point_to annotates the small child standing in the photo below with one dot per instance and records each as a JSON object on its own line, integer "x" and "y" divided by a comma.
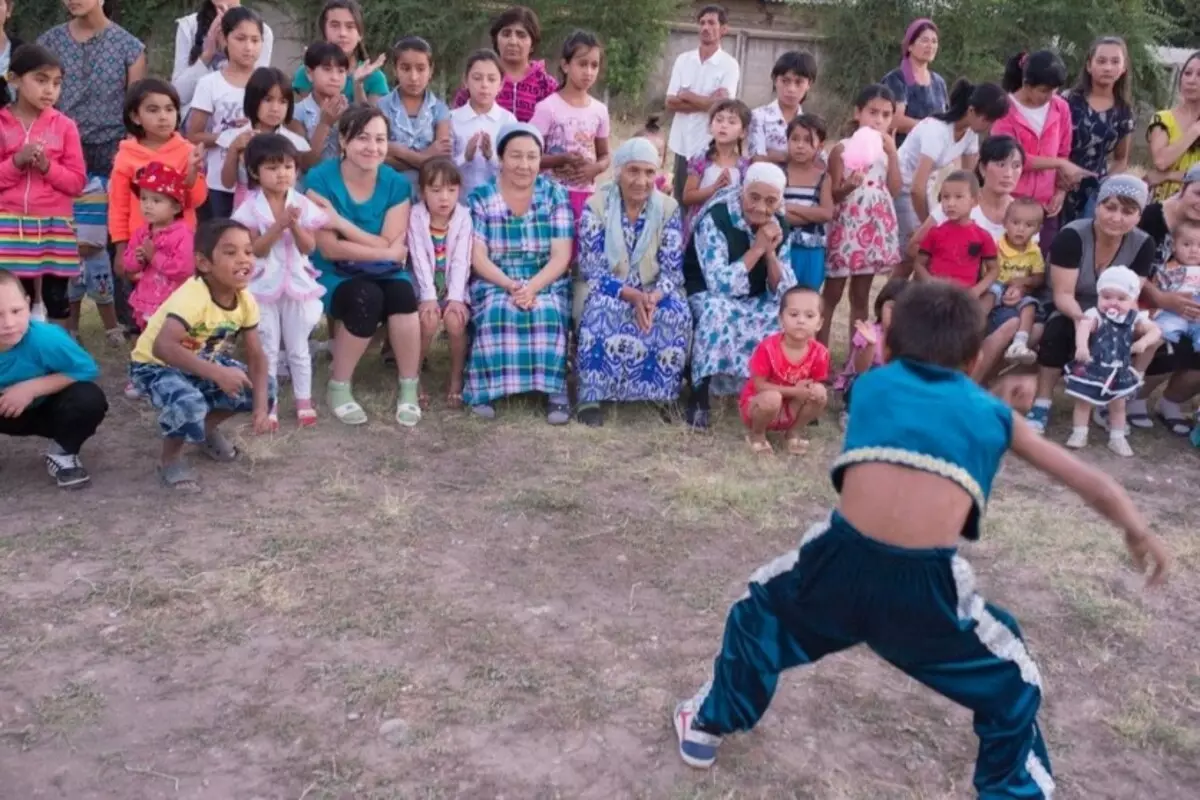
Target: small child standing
{"x": 575, "y": 125}
{"x": 46, "y": 385}
{"x": 281, "y": 223}
{"x": 41, "y": 173}
{"x": 95, "y": 279}
{"x": 476, "y": 123}
{"x": 723, "y": 164}
{"x": 439, "y": 246}
{"x": 808, "y": 199}
{"x": 269, "y": 105}
{"x": 1106, "y": 339}
{"x": 785, "y": 390}
{"x": 864, "y": 237}
{"x": 959, "y": 250}
{"x": 419, "y": 122}
{"x": 182, "y": 360}
{"x": 792, "y": 76}
{"x": 160, "y": 255}
{"x": 1181, "y": 275}
{"x": 325, "y": 66}
{"x": 866, "y": 346}
{"x": 1022, "y": 272}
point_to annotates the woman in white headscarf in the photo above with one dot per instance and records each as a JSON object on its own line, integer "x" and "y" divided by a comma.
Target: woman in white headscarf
{"x": 635, "y": 324}
{"x": 735, "y": 269}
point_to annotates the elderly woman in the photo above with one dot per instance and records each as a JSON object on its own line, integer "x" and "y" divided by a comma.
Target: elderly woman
{"x": 520, "y": 298}
{"x": 735, "y": 270}
{"x": 635, "y": 326}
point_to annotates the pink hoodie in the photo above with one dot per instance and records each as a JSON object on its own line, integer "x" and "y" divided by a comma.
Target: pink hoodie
{"x": 1054, "y": 142}
{"x": 27, "y": 191}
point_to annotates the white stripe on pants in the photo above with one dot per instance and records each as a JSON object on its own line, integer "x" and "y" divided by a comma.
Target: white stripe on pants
{"x": 293, "y": 322}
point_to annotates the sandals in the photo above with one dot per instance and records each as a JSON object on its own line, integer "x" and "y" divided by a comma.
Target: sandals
{"x": 760, "y": 447}
{"x": 1176, "y": 425}
{"x": 306, "y": 417}
{"x": 454, "y": 400}
{"x": 408, "y": 414}
{"x": 218, "y": 448}
{"x": 797, "y": 446}
{"x": 178, "y": 477}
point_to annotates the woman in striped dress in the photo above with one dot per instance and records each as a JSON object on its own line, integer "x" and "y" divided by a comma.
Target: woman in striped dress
{"x": 520, "y": 298}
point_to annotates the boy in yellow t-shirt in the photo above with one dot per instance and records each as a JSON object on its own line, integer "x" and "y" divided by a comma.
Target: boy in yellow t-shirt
{"x": 183, "y": 361}
{"x": 1022, "y": 272}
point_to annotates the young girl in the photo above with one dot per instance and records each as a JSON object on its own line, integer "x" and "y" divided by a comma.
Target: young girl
{"x": 42, "y": 171}
{"x": 268, "y": 104}
{"x": 792, "y": 76}
{"x": 516, "y": 34}
{"x": 219, "y": 104}
{"x": 199, "y": 49}
{"x": 863, "y": 238}
{"x": 785, "y": 389}
{"x": 420, "y": 121}
{"x": 1102, "y": 119}
{"x": 808, "y": 199}
{"x": 316, "y": 115}
{"x": 1101, "y": 374}
{"x": 723, "y": 164}
{"x": 439, "y": 245}
{"x": 867, "y": 344}
{"x": 1041, "y": 121}
{"x": 158, "y": 258}
{"x": 475, "y": 125}
{"x": 281, "y": 223}
{"x": 574, "y": 124}
{"x": 152, "y": 120}
{"x": 341, "y": 22}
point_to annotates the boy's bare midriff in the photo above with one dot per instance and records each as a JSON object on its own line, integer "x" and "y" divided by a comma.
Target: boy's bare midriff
{"x": 904, "y": 507}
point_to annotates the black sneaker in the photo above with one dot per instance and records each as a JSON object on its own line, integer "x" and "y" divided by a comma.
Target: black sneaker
{"x": 67, "y": 471}
{"x": 592, "y": 416}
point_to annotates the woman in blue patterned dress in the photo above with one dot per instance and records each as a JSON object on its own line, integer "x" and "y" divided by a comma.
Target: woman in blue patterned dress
{"x": 735, "y": 269}
{"x": 636, "y": 326}
{"x": 520, "y": 297}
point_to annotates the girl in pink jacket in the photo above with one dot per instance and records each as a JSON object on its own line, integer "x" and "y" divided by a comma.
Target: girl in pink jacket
{"x": 1040, "y": 120}
{"x": 41, "y": 173}
{"x": 160, "y": 256}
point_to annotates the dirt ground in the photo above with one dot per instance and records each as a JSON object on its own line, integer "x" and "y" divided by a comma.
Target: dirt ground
{"x": 486, "y": 610}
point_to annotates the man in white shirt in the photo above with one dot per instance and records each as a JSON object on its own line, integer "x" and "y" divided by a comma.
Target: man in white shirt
{"x": 699, "y": 79}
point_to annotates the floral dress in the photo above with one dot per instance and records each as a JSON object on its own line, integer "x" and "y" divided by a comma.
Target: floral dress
{"x": 730, "y": 321}
{"x": 864, "y": 238}
{"x": 516, "y": 351}
{"x": 618, "y": 360}
{"x": 1096, "y": 135}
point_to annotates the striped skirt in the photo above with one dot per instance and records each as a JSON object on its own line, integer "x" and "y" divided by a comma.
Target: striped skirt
{"x": 32, "y": 246}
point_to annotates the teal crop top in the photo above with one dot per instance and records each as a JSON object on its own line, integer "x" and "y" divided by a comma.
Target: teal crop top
{"x": 929, "y": 418}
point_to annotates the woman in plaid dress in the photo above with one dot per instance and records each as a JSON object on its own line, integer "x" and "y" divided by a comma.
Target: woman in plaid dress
{"x": 520, "y": 298}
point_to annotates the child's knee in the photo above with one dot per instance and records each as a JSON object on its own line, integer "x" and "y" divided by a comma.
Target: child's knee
{"x": 429, "y": 327}
{"x": 768, "y": 402}
{"x": 456, "y": 328}
{"x": 818, "y": 395}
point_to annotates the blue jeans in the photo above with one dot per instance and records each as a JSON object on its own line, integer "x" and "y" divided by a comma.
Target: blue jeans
{"x": 95, "y": 280}
{"x": 184, "y": 400}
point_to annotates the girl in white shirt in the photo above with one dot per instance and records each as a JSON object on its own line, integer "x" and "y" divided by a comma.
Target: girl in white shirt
{"x": 475, "y": 124}
{"x": 269, "y": 105}
{"x": 200, "y": 47}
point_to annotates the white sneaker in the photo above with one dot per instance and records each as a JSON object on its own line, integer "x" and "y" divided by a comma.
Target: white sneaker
{"x": 697, "y": 748}
{"x": 67, "y": 470}
{"x": 1120, "y": 445}
{"x": 1078, "y": 439}
{"x": 1020, "y": 353}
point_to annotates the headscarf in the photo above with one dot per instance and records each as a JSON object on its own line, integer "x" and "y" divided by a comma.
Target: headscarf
{"x": 510, "y": 129}
{"x": 1124, "y": 186}
{"x": 635, "y": 149}
{"x": 766, "y": 172}
{"x": 915, "y": 29}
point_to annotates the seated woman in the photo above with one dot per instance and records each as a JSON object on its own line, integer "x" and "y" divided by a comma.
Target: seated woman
{"x": 361, "y": 258}
{"x": 636, "y": 326}
{"x": 735, "y": 269}
{"x": 520, "y": 298}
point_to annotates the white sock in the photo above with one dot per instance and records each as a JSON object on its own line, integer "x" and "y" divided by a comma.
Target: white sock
{"x": 1169, "y": 409}
{"x": 1080, "y": 430}
{"x": 1116, "y": 434}
{"x": 1041, "y": 402}
{"x": 1021, "y": 338}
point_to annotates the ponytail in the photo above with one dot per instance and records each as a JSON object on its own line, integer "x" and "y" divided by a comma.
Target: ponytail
{"x": 1014, "y": 72}
{"x": 959, "y": 101}
{"x": 1041, "y": 68}
{"x": 987, "y": 100}
{"x": 204, "y": 20}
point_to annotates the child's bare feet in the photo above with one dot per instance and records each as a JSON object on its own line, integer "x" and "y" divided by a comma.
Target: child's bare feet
{"x": 759, "y": 444}
{"x": 797, "y": 446}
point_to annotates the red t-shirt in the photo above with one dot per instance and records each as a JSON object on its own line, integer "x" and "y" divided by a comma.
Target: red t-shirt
{"x": 770, "y": 362}
{"x": 956, "y": 251}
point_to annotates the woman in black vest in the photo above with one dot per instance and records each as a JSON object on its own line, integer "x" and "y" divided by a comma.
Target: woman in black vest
{"x": 735, "y": 269}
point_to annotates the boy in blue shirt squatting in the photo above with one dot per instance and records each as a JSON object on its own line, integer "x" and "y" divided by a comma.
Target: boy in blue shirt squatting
{"x": 922, "y": 446}
{"x": 46, "y": 386}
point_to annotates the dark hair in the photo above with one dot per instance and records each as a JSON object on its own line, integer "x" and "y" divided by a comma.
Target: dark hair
{"x": 988, "y": 100}
{"x": 411, "y": 44}
{"x": 521, "y": 16}
{"x": 890, "y": 293}
{"x": 236, "y": 16}
{"x": 360, "y": 52}
{"x": 138, "y": 93}
{"x": 325, "y": 54}
{"x": 1041, "y": 68}
{"x": 936, "y": 323}
{"x": 438, "y": 169}
{"x": 261, "y": 82}
{"x": 800, "y": 63}
{"x": 484, "y": 55}
{"x": 356, "y": 118}
{"x": 799, "y": 290}
{"x": 1019, "y": 203}
{"x": 997, "y": 148}
{"x": 722, "y": 14}
{"x": 267, "y": 148}
{"x": 210, "y": 232}
{"x": 652, "y": 126}
{"x": 963, "y": 176}
{"x": 875, "y": 91}
{"x": 809, "y": 122}
{"x": 579, "y": 40}
{"x": 28, "y": 58}
{"x": 736, "y": 106}
{"x": 502, "y": 145}
{"x": 205, "y": 14}
{"x": 1183, "y": 67}
{"x": 1122, "y": 94}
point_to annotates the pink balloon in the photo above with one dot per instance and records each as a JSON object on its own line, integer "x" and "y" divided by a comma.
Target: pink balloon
{"x": 862, "y": 149}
